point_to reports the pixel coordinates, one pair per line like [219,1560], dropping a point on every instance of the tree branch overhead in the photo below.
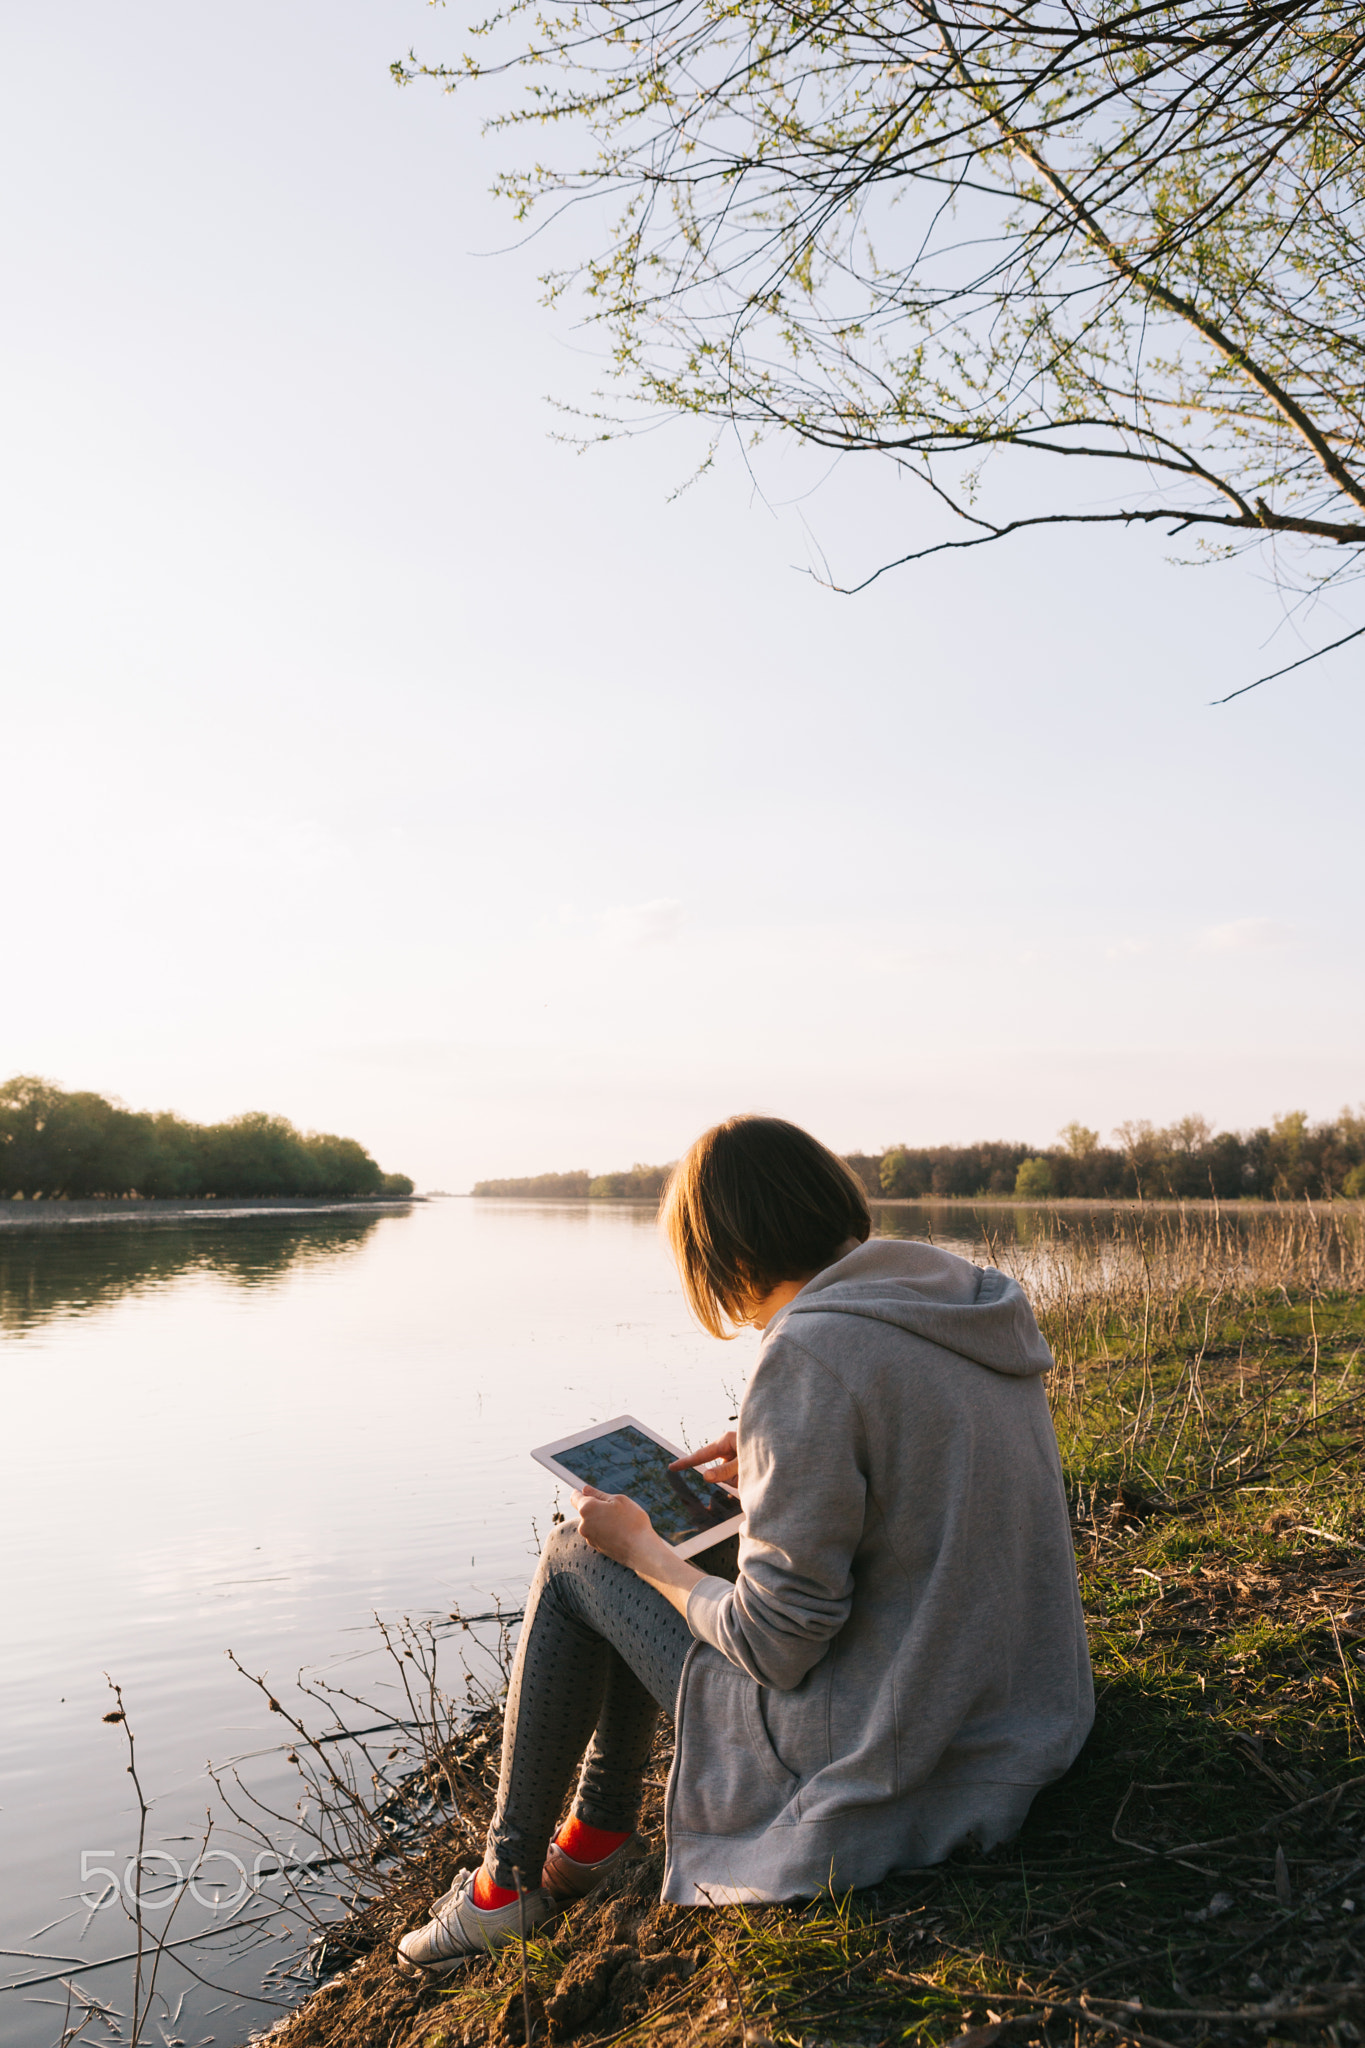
[938,230]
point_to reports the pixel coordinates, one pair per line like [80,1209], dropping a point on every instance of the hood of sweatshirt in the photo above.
[975,1311]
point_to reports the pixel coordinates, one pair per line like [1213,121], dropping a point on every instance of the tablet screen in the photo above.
[625,1460]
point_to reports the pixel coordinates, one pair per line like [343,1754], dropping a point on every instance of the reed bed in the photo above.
[1199,1876]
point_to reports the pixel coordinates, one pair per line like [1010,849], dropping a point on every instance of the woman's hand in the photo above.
[724,1471]
[615,1524]
[619,1527]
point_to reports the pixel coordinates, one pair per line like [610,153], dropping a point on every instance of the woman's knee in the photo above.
[569,1562]
[564,1549]
[569,1567]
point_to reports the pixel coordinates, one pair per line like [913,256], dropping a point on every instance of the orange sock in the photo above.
[487,1894]
[585,1844]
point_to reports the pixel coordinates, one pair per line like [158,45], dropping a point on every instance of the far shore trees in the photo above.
[73,1146]
[1286,1160]
[642,1183]
[1061,264]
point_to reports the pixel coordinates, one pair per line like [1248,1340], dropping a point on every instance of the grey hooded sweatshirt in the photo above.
[902,1663]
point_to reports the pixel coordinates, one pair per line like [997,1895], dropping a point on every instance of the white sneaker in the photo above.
[458,1929]
[565,1879]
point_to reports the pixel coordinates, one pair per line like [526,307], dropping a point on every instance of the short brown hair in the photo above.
[753,1202]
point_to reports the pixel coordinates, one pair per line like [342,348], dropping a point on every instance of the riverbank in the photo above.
[1168,1205]
[25,1214]
[1198,1877]
[1174,1205]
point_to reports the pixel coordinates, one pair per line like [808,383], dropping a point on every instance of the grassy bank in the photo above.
[1200,1873]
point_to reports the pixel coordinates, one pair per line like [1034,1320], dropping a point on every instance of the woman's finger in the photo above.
[723,1447]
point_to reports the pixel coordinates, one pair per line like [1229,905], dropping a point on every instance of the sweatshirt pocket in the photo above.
[797,1723]
[729,1779]
[769,1762]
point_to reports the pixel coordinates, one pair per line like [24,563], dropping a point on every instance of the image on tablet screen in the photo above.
[679,1504]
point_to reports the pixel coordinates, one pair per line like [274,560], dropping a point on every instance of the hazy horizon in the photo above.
[1111,1138]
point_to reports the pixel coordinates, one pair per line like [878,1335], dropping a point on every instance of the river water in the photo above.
[255,1434]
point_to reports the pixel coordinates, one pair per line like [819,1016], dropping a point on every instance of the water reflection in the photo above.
[75,1269]
[643,1215]
[980,1231]
[988,1226]
[1086,1246]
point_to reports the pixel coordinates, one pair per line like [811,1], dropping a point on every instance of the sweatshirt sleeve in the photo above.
[803,1485]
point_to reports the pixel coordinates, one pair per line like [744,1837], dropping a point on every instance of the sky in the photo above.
[373,757]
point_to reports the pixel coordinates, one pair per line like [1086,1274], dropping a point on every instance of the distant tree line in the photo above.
[542,1187]
[1285,1160]
[81,1146]
[642,1183]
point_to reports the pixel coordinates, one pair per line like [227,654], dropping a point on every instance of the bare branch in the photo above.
[1275,674]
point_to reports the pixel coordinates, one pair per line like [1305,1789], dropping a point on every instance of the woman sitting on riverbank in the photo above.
[898,1664]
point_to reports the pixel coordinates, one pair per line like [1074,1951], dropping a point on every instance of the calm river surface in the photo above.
[255,1434]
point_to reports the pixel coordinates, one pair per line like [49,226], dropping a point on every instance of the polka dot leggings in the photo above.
[600,1653]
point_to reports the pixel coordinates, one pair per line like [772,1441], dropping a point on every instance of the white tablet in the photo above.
[627,1456]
